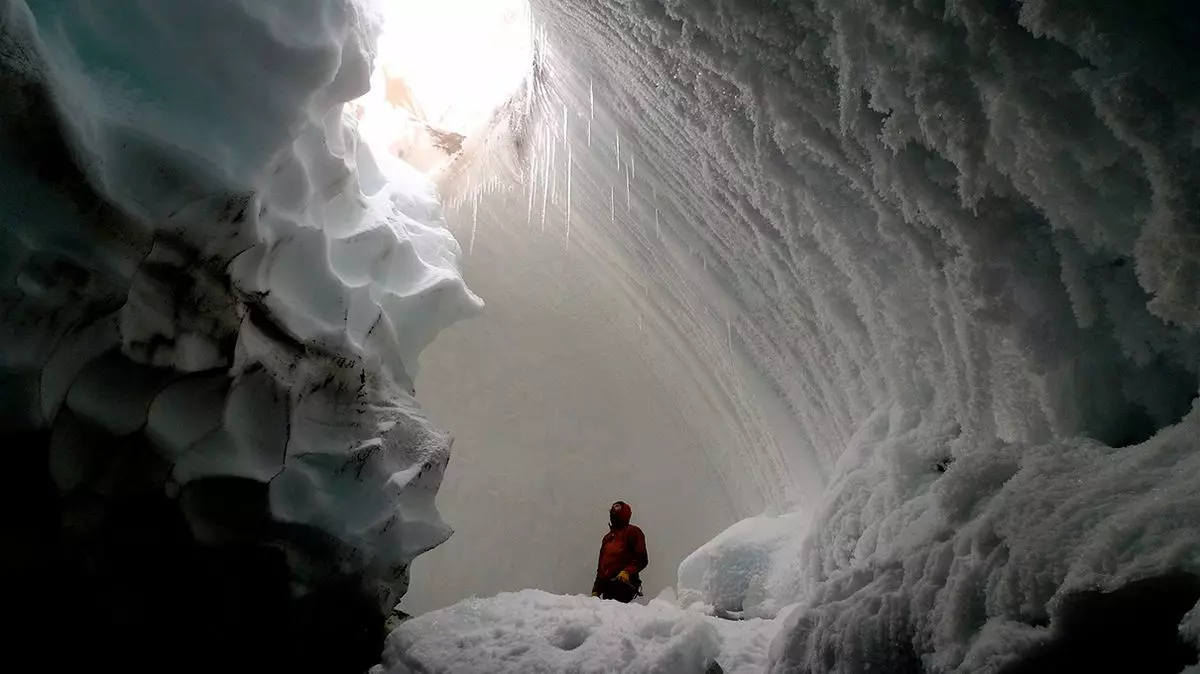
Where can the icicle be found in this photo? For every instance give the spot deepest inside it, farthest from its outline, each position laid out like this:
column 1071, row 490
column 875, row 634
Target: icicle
column 618, row 149
column 729, row 339
column 545, row 197
column 547, row 158
column 532, row 67
column 633, row 165
column 474, row 223
column 545, row 181
column 532, row 180
column 591, row 101
column 589, row 133
column 569, row 161
column 628, row 201
column 657, row 227
column 553, row 167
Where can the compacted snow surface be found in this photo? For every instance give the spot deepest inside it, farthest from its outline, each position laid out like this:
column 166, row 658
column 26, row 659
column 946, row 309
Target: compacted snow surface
column 532, row 632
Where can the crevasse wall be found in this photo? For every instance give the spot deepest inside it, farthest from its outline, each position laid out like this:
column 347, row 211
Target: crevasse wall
column 986, row 209
column 214, row 299
column 959, row 241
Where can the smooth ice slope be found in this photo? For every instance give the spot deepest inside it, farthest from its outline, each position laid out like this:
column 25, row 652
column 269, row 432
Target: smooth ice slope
column 533, row 632
column 248, row 286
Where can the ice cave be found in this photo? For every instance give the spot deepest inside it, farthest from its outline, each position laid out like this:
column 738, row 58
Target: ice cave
column 884, row 315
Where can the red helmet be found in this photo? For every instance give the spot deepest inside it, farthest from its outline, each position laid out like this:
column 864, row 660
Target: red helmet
column 620, row 513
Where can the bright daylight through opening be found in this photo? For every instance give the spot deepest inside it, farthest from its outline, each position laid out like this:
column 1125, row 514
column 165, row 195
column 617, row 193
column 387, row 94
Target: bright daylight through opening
column 443, row 68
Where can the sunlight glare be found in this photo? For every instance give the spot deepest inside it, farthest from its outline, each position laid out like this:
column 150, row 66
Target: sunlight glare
column 452, row 63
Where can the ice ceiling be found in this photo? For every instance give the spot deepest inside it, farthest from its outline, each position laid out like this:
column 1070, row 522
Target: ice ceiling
column 926, row 271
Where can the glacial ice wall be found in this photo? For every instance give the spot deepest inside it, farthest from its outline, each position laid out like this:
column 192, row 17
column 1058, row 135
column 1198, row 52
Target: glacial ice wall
column 959, row 241
column 987, row 208
column 211, row 282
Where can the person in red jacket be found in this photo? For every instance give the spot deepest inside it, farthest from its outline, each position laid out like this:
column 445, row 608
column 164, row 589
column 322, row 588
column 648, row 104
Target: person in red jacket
column 622, row 557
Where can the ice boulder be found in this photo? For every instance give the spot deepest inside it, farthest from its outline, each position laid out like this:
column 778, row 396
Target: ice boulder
column 745, row 570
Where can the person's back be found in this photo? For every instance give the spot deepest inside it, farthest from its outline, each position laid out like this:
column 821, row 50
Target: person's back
column 622, row 557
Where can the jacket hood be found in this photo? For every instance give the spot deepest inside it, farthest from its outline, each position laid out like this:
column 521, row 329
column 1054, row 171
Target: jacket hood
column 620, row 514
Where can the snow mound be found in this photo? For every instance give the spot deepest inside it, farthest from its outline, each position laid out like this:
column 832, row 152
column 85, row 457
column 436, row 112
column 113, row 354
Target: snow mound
column 748, row 570
column 533, row 631
column 966, row 565
column 205, row 254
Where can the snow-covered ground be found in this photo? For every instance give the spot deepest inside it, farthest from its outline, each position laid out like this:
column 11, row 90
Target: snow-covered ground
column 534, row 632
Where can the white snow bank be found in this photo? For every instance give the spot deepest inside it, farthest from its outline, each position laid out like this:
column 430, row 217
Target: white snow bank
column 963, row 570
column 533, row 631
column 216, row 259
column 749, row 570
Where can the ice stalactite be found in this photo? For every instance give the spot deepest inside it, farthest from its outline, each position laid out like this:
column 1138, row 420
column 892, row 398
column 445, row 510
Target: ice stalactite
column 570, row 164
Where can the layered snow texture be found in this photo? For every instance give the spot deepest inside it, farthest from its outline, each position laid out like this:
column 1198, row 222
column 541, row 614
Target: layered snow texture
column 532, row 632
column 201, row 253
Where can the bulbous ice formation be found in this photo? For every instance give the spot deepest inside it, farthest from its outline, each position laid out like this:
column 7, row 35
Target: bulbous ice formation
column 214, row 279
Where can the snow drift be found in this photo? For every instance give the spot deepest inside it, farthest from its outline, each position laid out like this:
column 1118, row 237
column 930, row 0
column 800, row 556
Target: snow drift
column 533, row 631
column 974, row 565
